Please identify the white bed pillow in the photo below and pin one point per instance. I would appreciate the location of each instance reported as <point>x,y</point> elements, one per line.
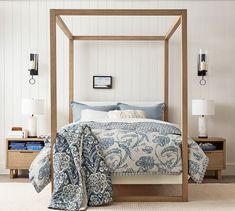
<point>125,114</point>
<point>89,114</point>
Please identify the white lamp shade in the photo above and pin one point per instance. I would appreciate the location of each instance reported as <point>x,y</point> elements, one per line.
<point>32,106</point>
<point>203,107</point>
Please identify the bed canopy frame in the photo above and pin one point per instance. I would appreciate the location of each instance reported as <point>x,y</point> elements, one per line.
<point>181,14</point>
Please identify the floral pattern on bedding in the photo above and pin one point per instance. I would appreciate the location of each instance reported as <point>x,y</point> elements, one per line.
<point>136,153</point>
<point>86,154</point>
<point>147,148</point>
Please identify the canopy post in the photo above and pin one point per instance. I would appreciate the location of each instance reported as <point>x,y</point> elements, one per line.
<point>71,77</point>
<point>53,88</point>
<point>184,105</point>
<point>166,78</point>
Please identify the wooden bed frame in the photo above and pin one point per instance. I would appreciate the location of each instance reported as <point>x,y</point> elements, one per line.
<point>55,19</point>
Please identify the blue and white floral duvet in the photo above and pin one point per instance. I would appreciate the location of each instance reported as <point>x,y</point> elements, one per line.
<point>87,154</point>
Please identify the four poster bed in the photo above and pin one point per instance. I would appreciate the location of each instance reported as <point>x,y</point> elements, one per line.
<point>162,132</point>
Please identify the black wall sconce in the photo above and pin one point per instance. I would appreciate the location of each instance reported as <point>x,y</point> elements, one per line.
<point>33,67</point>
<point>202,66</point>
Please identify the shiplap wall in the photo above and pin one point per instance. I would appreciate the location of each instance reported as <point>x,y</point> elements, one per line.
<point>136,66</point>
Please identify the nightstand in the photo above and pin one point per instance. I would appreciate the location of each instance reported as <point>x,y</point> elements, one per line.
<point>20,152</point>
<point>217,157</point>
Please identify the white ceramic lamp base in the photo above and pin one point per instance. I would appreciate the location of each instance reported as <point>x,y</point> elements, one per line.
<point>202,127</point>
<point>32,127</point>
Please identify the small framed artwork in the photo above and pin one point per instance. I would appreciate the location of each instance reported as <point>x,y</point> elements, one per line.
<point>102,82</point>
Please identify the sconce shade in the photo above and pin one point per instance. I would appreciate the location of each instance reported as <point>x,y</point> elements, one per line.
<point>32,106</point>
<point>203,107</point>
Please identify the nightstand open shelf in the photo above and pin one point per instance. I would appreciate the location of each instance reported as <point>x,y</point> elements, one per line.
<point>20,158</point>
<point>217,157</point>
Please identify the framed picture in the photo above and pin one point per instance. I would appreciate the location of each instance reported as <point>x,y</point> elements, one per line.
<point>102,82</point>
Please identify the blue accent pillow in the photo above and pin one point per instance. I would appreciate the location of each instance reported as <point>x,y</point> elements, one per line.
<point>78,107</point>
<point>151,112</point>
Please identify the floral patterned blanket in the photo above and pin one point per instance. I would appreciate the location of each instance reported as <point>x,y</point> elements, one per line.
<point>81,176</point>
<point>87,154</point>
<point>147,148</point>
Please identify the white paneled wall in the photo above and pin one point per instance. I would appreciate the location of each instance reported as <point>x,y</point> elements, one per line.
<point>137,67</point>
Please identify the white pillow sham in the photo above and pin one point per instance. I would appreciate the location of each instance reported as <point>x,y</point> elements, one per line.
<point>89,114</point>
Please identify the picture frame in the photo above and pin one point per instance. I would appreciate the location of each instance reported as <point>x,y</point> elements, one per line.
<point>102,82</point>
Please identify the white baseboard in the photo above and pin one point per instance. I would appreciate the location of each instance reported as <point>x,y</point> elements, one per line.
<point>230,169</point>
<point>3,169</point>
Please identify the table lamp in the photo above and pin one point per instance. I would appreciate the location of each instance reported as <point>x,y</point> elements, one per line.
<point>203,108</point>
<point>32,107</point>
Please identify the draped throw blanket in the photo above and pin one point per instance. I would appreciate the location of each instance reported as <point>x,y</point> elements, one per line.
<point>87,154</point>
<point>81,176</point>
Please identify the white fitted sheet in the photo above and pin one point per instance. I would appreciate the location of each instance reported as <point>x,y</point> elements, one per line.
<point>148,179</point>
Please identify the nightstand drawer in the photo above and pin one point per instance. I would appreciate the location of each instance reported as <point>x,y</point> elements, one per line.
<point>21,159</point>
<point>216,160</point>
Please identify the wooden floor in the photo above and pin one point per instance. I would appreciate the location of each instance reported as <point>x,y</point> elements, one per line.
<point>207,179</point>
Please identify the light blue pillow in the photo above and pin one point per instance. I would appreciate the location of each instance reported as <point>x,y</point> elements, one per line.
<point>78,107</point>
<point>151,112</point>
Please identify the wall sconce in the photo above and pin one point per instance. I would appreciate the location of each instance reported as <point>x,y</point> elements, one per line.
<point>33,67</point>
<point>202,66</point>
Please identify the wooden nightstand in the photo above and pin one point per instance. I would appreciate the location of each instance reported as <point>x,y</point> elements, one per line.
<point>20,158</point>
<point>217,157</point>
